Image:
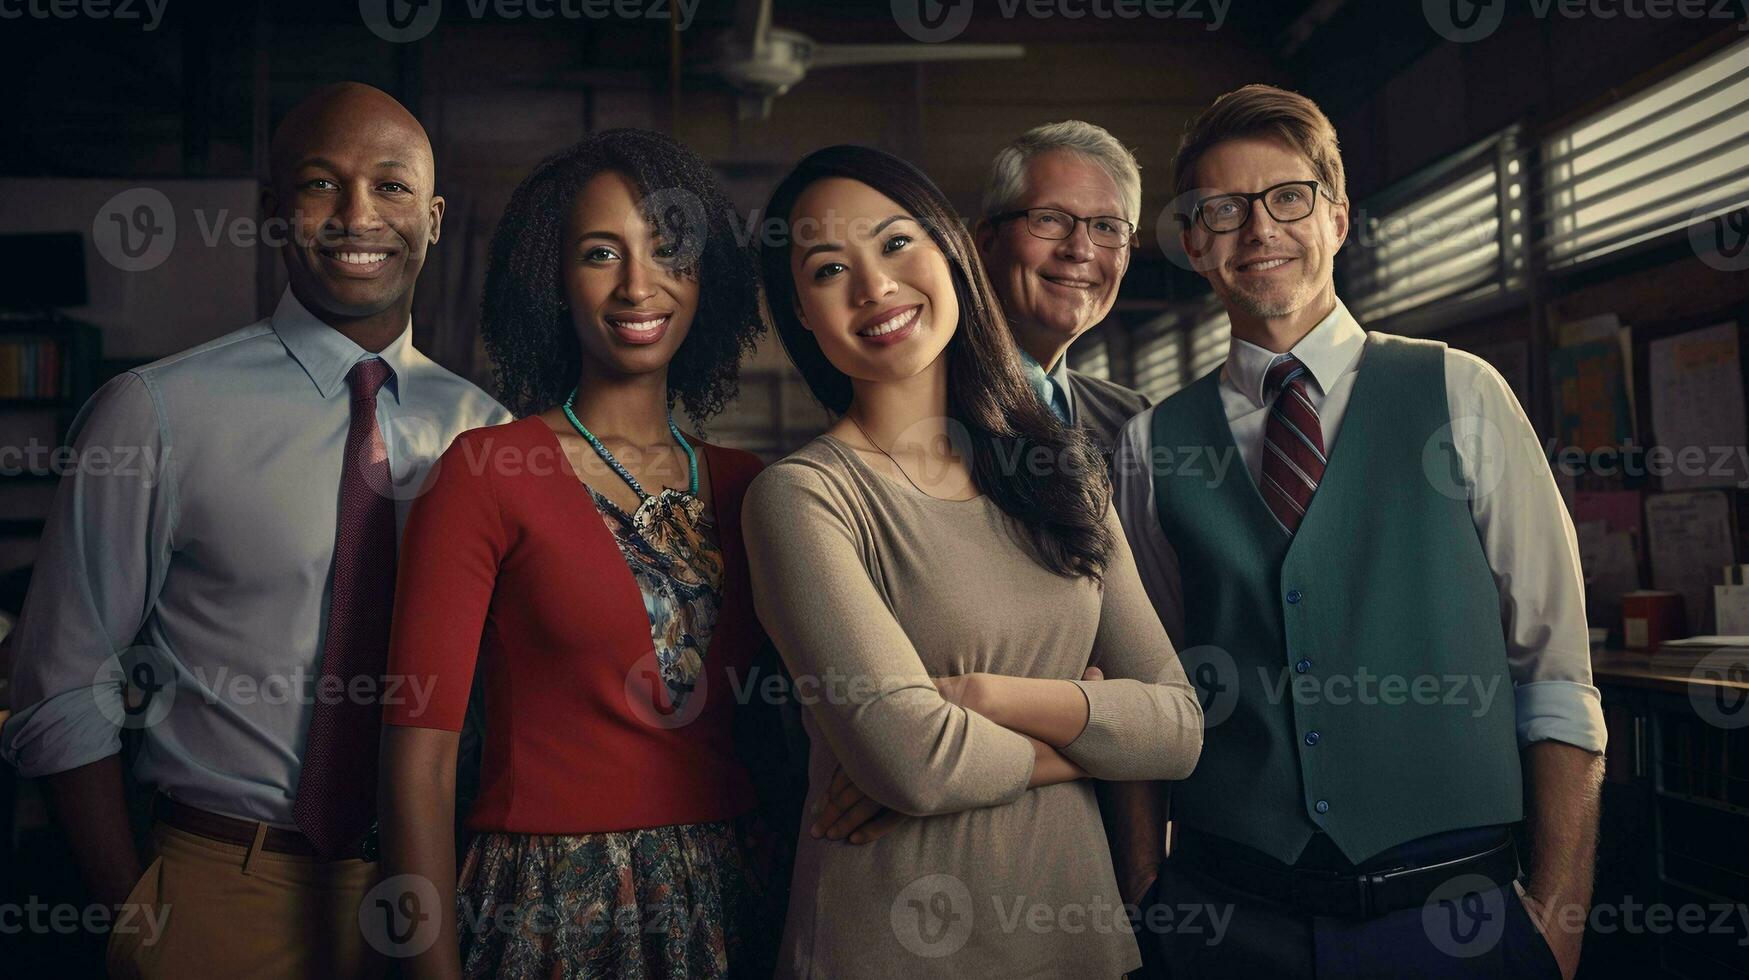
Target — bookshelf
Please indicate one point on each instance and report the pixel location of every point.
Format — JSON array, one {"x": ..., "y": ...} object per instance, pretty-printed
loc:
[
  {"x": 1675, "y": 817},
  {"x": 49, "y": 366}
]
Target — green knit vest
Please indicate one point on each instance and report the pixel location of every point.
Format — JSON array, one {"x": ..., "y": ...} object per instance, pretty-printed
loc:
[{"x": 1353, "y": 675}]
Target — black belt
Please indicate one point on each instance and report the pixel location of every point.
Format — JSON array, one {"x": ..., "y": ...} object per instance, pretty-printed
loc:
[{"x": 1348, "y": 894}]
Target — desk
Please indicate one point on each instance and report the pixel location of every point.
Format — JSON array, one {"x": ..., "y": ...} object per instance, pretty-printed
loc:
[
  {"x": 1675, "y": 828},
  {"x": 1650, "y": 671}
]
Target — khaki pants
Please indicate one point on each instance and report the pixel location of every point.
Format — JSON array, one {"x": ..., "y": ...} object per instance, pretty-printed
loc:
[{"x": 208, "y": 909}]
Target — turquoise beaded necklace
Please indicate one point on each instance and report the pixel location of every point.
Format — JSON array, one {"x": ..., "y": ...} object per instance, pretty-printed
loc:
[{"x": 624, "y": 474}]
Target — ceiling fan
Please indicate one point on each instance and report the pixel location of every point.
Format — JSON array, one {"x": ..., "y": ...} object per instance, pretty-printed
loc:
[{"x": 761, "y": 61}]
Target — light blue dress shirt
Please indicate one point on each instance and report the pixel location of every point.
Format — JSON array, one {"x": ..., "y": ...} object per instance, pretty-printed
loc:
[
  {"x": 195, "y": 534},
  {"x": 1052, "y": 386}
]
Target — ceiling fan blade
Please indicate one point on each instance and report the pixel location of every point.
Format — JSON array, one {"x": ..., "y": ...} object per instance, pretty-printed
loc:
[
  {"x": 752, "y": 107},
  {"x": 844, "y": 55},
  {"x": 752, "y": 20}
]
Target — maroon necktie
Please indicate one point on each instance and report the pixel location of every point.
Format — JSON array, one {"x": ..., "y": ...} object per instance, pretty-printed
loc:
[
  {"x": 1293, "y": 444},
  {"x": 336, "y": 799}
]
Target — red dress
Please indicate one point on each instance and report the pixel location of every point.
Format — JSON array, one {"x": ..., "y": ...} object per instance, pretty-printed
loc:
[{"x": 613, "y": 808}]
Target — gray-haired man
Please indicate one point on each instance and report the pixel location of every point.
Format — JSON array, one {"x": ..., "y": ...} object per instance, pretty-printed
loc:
[{"x": 1059, "y": 219}]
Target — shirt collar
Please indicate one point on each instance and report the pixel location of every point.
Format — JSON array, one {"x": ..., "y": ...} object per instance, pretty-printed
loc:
[
  {"x": 1327, "y": 351},
  {"x": 1045, "y": 381},
  {"x": 327, "y": 355}
]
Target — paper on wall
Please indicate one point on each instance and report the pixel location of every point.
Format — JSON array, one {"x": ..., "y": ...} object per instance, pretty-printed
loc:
[
  {"x": 1697, "y": 408},
  {"x": 1691, "y": 540}
]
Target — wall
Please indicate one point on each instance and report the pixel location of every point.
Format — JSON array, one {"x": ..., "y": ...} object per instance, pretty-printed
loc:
[
  {"x": 204, "y": 286},
  {"x": 490, "y": 126}
]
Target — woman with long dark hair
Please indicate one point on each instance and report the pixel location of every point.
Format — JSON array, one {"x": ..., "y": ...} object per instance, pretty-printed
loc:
[
  {"x": 590, "y": 553},
  {"x": 938, "y": 570}
]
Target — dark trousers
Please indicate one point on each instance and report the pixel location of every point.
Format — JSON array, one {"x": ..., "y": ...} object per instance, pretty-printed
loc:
[{"x": 1194, "y": 927}]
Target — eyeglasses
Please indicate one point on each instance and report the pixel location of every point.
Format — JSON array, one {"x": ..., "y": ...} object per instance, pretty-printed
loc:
[
  {"x": 1285, "y": 202},
  {"x": 1053, "y": 225}
]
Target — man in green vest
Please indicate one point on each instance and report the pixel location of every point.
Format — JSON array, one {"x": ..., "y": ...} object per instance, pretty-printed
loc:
[{"x": 1380, "y": 601}]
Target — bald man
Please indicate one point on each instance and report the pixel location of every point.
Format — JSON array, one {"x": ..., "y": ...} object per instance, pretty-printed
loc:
[{"x": 215, "y": 615}]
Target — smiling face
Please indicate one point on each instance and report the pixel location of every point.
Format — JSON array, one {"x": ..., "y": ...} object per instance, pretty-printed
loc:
[
  {"x": 1267, "y": 271},
  {"x": 353, "y": 179},
  {"x": 1053, "y": 291},
  {"x": 631, "y": 307},
  {"x": 871, "y": 285}
]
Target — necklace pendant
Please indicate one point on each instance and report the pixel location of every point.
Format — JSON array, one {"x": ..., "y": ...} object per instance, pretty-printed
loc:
[{"x": 617, "y": 467}]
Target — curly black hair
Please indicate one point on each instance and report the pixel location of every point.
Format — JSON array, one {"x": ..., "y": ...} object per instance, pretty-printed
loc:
[{"x": 528, "y": 333}]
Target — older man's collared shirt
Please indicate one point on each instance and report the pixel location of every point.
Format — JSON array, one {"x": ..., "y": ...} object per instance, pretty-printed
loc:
[
  {"x": 1052, "y": 386},
  {"x": 1524, "y": 528},
  {"x": 1098, "y": 406},
  {"x": 194, "y": 535}
]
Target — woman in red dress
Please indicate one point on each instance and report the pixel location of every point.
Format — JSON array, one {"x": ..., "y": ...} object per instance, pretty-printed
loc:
[{"x": 588, "y": 558}]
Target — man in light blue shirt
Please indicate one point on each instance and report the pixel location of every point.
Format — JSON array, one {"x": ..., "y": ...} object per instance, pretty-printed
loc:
[
  {"x": 1060, "y": 208},
  {"x": 202, "y": 575},
  {"x": 1052, "y": 389}
]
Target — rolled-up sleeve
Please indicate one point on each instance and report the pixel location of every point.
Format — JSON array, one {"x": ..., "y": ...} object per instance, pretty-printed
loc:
[
  {"x": 1143, "y": 719},
  {"x": 1528, "y": 538},
  {"x": 100, "y": 564},
  {"x": 853, "y": 665}
]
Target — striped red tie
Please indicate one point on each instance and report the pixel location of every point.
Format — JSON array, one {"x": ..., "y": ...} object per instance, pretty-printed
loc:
[{"x": 1293, "y": 444}]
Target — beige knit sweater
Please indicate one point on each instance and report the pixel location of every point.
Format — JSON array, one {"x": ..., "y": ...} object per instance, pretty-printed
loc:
[{"x": 869, "y": 588}]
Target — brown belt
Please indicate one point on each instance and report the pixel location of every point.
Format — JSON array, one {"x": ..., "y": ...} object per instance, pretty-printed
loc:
[{"x": 230, "y": 830}]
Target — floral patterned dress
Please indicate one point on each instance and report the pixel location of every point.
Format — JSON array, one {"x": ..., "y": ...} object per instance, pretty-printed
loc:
[{"x": 661, "y": 903}]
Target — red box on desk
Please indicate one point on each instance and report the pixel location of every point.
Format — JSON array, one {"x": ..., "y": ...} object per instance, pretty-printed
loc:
[{"x": 1649, "y": 617}]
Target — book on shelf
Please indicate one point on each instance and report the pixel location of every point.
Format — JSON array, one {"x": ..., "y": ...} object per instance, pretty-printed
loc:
[{"x": 31, "y": 368}]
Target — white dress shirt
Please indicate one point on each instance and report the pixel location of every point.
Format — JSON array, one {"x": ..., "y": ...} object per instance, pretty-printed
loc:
[
  {"x": 1525, "y": 530},
  {"x": 201, "y": 523}
]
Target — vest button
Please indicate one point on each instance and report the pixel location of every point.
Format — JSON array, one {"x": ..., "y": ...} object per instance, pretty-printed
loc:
[
  {"x": 1302, "y": 666},
  {"x": 1293, "y": 596},
  {"x": 1311, "y": 738},
  {"x": 1322, "y": 806}
]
